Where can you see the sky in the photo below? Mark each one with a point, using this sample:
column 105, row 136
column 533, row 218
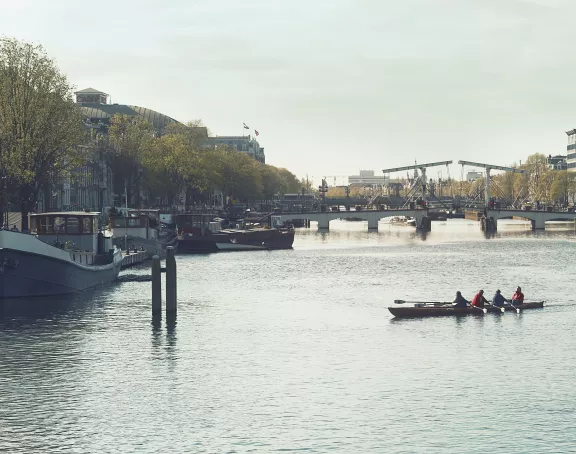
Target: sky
column 332, row 86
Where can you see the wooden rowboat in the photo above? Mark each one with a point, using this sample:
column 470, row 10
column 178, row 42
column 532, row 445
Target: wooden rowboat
column 431, row 310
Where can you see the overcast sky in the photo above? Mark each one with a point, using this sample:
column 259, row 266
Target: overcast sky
column 333, row 86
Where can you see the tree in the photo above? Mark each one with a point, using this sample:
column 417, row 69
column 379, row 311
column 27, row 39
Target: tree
column 40, row 126
column 537, row 166
column 563, row 187
column 129, row 139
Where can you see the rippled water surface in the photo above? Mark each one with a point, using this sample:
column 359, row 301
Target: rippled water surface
column 297, row 351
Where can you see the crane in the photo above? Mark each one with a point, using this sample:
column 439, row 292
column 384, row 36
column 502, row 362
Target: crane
column 488, row 168
column 422, row 168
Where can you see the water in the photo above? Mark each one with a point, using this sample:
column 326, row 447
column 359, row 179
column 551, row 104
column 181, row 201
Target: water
column 296, row 351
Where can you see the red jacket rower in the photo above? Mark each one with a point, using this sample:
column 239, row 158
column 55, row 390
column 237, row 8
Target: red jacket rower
column 479, row 299
column 518, row 297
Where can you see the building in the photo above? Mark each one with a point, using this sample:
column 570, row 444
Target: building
column 473, row 176
column 92, row 186
column 367, row 178
column 571, row 150
column 557, row 162
column 97, row 112
column 246, row 144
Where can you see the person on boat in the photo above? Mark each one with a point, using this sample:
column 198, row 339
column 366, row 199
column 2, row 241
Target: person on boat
column 498, row 300
column 518, row 297
column 460, row 301
column 479, row 299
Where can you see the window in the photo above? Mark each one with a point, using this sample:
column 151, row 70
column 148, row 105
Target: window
column 59, row 224
column 86, row 225
column 72, row 225
column 46, row 225
column 94, row 225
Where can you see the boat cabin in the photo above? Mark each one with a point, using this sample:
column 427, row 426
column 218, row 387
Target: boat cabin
column 76, row 231
column 197, row 224
column 136, row 223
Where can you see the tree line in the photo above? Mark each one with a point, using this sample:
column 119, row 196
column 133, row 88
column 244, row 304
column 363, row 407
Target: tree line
column 539, row 184
column 43, row 140
column 178, row 162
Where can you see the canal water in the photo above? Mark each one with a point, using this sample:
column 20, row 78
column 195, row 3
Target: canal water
column 296, row 351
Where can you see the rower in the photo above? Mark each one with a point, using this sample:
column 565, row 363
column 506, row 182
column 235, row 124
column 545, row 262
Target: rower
column 460, row 301
column 479, row 299
column 498, row 300
column 518, row 297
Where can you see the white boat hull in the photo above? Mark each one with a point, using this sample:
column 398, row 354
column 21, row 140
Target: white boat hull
column 239, row 247
column 30, row 267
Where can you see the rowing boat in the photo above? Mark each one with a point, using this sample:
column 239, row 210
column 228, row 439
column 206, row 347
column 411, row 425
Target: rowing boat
column 435, row 310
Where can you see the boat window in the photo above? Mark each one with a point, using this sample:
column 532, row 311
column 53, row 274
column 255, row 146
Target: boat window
column 72, row 225
column 86, row 225
column 133, row 222
column 119, row 222
column 59, row 224
column 46, row 225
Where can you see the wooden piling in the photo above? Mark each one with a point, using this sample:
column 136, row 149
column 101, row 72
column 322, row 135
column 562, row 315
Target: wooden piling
column 171, row 305
column 156, row 286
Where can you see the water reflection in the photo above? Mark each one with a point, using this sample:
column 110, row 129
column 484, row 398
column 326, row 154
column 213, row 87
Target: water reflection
column 451, row 230
column 268, row 345
column 46, row 307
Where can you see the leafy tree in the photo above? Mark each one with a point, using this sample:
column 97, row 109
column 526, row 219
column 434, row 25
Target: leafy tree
column 129, row 139
column 40, row 126
column 563, row 187
column 537, row 167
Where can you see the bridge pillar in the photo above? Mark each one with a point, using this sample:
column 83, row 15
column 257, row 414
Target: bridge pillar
column 373, row 223
column 424, row 224
column 488, row 224
column 323, row 223
column 539, row 223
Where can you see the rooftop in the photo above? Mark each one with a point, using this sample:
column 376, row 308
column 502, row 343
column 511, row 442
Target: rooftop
column 90, row 91
column 67, row 213
column 96, row 111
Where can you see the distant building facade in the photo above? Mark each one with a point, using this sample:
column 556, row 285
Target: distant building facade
column 92, row 187
column 473, row 176
column 245, row 144
column 557, row 162
column 571, row 150
column 367, row 178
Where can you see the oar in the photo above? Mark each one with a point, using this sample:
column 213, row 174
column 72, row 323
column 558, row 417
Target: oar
column 497, row 307
column 420, row 302
column 515, row 307
column 483, row 309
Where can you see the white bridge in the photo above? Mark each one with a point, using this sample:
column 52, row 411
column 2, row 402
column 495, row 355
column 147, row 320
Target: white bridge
column 538, row 218
column 372, row 216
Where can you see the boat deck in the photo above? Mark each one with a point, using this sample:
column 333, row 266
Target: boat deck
column 133, row 258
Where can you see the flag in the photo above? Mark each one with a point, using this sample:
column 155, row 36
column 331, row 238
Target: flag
column 257, row 133
column 246, row 126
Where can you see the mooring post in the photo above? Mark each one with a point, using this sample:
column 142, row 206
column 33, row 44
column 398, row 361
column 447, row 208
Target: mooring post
column 156, row 286
column 171, row 305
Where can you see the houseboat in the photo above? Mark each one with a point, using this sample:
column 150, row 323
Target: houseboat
column 140, row 229
column 65, row 253
column 205, row 233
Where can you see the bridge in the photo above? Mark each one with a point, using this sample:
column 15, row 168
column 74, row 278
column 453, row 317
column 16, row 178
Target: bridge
column 372, row 216
column 537, row 218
